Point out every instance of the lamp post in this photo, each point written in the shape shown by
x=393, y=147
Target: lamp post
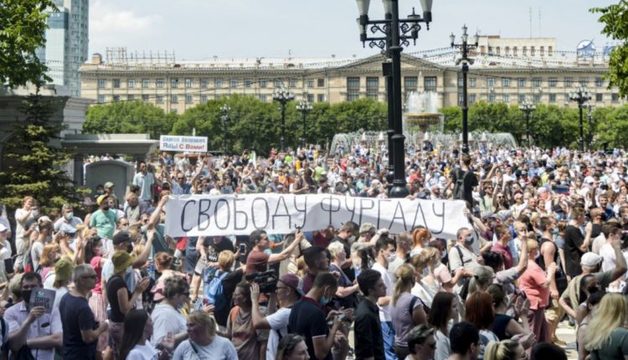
x=527, y=108
x=590, y=118
x=304, y=107
x=283, y=96
x=390, y=35
x=581, y=96
x=224, y=111
x=464, y=47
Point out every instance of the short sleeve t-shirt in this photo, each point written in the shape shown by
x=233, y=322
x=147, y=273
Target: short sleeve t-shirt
x=166, y=320
x=257, y=261
x=76, y=315
x=278, y=326
x=308, y=320
x=219, y=349
x=142, y=352
x=114, y=284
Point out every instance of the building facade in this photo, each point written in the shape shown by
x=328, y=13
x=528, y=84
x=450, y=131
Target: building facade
x=176, y=87
x=67, y=39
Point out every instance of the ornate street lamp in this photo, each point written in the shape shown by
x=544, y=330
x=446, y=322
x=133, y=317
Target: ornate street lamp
x=465, y=47
x=304, y=107
x=283, y=96
x=224, y=111
x=527, y=108
x=581, y=96
x=390, y=35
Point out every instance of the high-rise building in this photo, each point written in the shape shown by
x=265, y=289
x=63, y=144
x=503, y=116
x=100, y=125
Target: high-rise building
x=66, y=46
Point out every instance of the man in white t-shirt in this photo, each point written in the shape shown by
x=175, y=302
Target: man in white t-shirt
x=612, y=232
x=288, y=293
x=385, y=251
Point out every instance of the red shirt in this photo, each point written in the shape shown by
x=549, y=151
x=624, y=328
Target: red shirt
x=257, y=261
x=504, y=251
x=531, y=282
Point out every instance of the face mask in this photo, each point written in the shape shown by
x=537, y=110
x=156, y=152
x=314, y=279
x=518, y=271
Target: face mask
x=468, y=240
x=26, y=295
x=325, y=300
x=391, y=258
x=69, y=216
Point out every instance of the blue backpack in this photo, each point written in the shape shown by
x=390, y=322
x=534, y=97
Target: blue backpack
x=213, y=291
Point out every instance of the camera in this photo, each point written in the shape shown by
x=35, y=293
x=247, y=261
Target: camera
x=266, y=280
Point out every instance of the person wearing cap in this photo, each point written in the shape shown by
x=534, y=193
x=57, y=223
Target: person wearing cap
x=36, y=328
x=104, y=219
x=108, y=187
x=421, y=343
x=287, y=294
x=591, y=263
x=122, y=300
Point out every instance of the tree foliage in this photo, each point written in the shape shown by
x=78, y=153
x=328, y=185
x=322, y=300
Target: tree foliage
x=22, y=32
x=134, y=117
x=615, y=20
x=31, y=165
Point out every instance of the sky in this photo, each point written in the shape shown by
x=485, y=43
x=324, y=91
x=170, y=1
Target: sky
x=202, y=29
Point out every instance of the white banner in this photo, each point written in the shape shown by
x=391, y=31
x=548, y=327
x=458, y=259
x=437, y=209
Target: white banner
x=183, y=143
x=204, y=215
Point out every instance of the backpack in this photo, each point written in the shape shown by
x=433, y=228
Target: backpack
x=213, y=291
x=464, y=282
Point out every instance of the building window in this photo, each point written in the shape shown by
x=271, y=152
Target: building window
x=473, y=82
x=550, y=51
x=159, y=83
x=130, y=83
x=353, y=88
x=536, y=98
x=292, y=83
x=506, y=98
x=532, y=51
x=429, y=84
x=116, y=83
x=174, y=99
x=203, y=99
x=599, y=82
x=490, y=50
x=521, y=82
x=263, y=98
x=320, y=97
x=310, y=98
x=507, y=51
x=130, y=97
x=599, y=97
x=101, y=99
x=583, y=81
x=552, y=82
x=159, y=99
x=498, y=51
x=525, y=51
x=514, y=51
x=278, y=84
x=320, y=83
x=568, y=82
x=145, y=83
x=491, y=98
x=204, y=83
x=536, y=82
x=310, y=83
x=263, y=83
x=218, y=83
x=615, y=97
x=471, y=98
x=542, y=50
x=188, y=99
x=552, y=98
x=188, y=83
x=233, y=84
x=490, y=82
x=116, y=98
x=248, y=83
x=174, y=83
x=372, y=87
x=410, y=83
x=145, y=97
x=102, y=83
x=506, y=82
x=522, y=98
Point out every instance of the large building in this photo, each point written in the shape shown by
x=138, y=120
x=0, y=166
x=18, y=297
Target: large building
x=500, y=73
x=66, y=45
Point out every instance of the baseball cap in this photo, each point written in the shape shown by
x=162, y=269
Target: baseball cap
x=366, y=227
x=3, y=228
x=291, y=280
x=108, y=184
x=590, y=259
x=121, y=237
x=101, y=198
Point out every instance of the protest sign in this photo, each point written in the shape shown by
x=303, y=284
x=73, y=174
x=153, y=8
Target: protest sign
x=183, y=143
x=42, y=297
x=204, y=215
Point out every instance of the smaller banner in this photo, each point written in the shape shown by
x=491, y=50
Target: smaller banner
x=205, y=215
x=183, y=143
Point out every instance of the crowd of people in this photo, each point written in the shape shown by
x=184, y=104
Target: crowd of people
x=548, y=243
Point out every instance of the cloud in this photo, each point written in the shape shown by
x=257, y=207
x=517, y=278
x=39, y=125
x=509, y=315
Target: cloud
x=110, y=21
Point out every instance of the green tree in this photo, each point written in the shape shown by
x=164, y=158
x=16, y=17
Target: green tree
x=615, y=20
x=128, y=117
x=31, y=165
x=22, y=32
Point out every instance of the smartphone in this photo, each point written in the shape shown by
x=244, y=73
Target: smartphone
x=242, y=248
